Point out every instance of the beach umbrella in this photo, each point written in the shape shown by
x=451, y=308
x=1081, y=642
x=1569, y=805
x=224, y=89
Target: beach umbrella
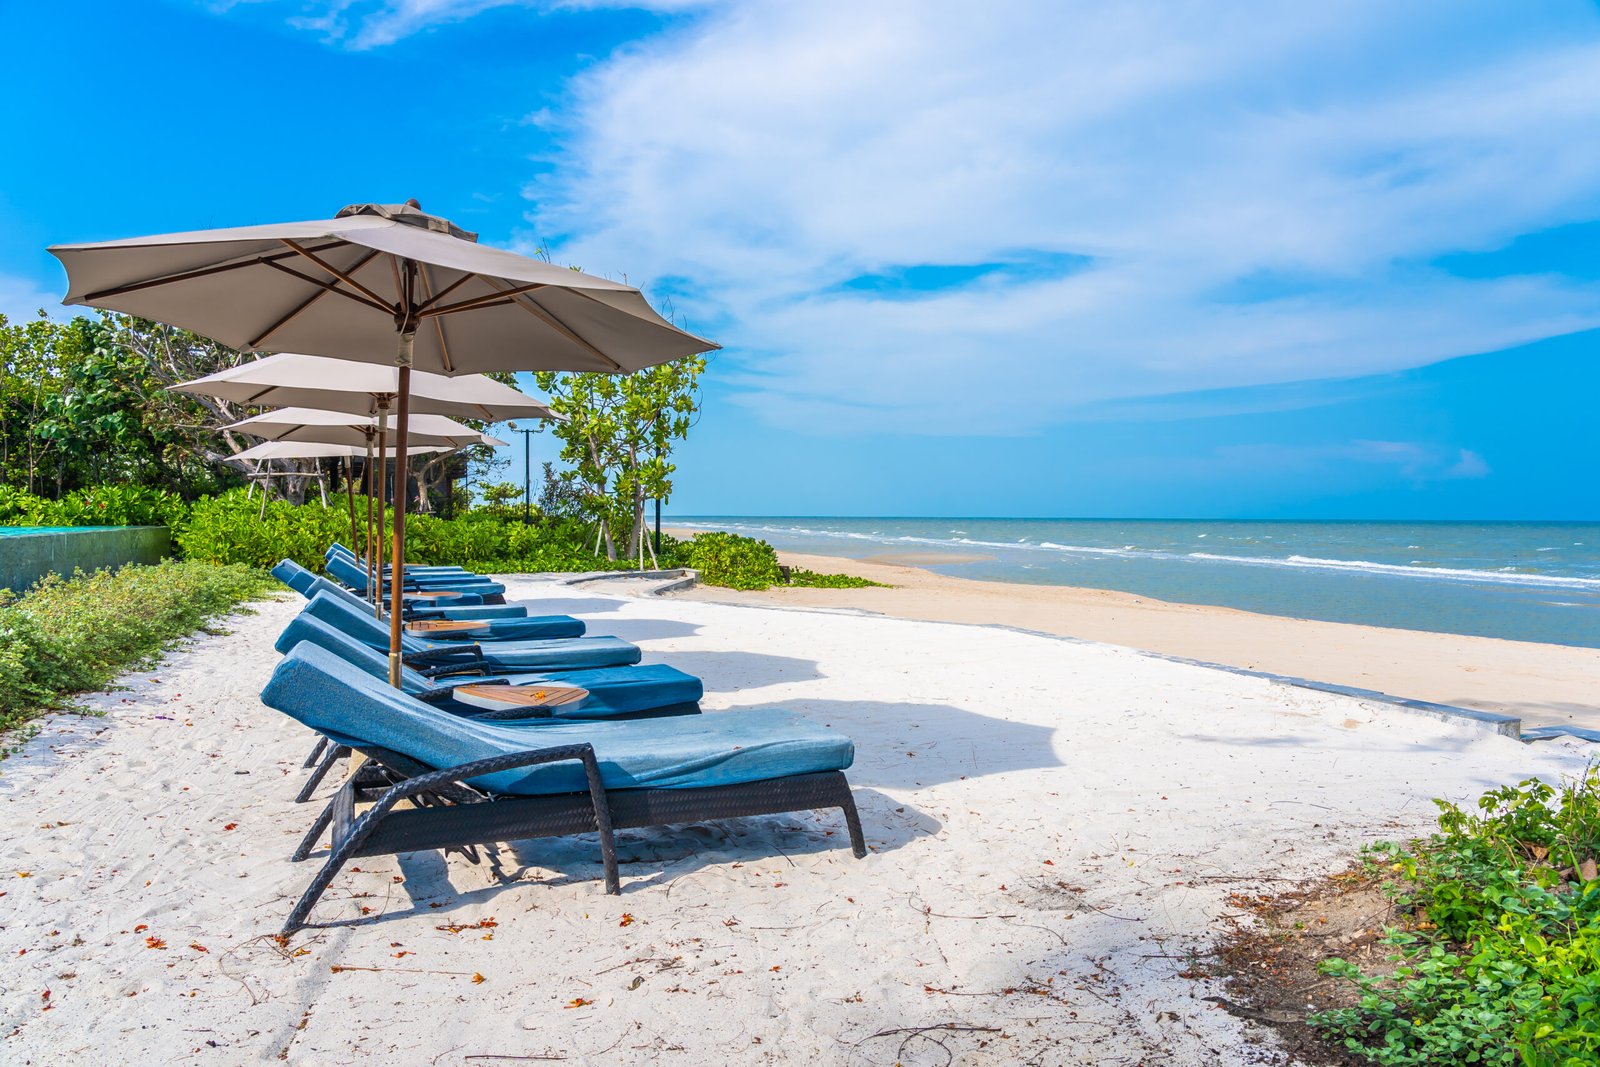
x=290, y=379
x=340, y=428
x=378, y=283
x=358, y=433
x=270, y=450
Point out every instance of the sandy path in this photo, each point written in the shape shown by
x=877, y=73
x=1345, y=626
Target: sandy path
x=1054, y=825
x=1543, y=684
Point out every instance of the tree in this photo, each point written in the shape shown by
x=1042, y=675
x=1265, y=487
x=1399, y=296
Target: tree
x=617, y=435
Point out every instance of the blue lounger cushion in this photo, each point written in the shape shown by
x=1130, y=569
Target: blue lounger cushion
x=423, y=609
x=355, y=576
x=565, y=653
x=499, y=628
x=427, y=568
x=334, y=698
x=613, y=691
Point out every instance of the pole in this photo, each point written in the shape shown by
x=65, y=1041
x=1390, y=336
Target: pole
x=383, y=503
x=398, y=575
x=350, y=495
x=367, y=471
x=527, y=475
x=658, y=531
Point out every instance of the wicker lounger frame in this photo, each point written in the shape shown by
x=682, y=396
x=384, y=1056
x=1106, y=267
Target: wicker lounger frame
x=447, y=813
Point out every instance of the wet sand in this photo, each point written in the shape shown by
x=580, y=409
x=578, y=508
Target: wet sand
x=1547, y=685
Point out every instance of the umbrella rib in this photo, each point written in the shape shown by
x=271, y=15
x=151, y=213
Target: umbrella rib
x=446, y=291
x=533, y=308
x=312, y=299
x=438, y=323
x=332, y=287
x=202, y=272
x=343, y=276
x=497, y=297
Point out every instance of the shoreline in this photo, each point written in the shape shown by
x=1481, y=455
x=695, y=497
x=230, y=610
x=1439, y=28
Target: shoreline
x=1543, y=684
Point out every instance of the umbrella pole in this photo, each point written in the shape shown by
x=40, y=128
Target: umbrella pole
x=396, y=593
x=367, y=553
x=350, y=494
x=383, y=507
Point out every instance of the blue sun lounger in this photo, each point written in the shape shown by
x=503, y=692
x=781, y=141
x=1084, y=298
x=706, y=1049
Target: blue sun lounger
x=308, y=584
x=645, y=690
x=354, y=575
x=614, y=692
x=502, y=657
x=440, y=781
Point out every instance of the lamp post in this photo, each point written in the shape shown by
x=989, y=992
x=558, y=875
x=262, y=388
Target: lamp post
x=527, y=474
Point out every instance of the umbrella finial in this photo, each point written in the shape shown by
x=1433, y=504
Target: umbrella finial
x=414, y=202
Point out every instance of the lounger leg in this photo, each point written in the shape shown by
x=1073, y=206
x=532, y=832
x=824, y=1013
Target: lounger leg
x=313, y=835
x=322, y=742
x=852, y=822
x=602, y=823
x=334, y=755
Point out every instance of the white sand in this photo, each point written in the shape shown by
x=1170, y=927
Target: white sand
x=1055, y=826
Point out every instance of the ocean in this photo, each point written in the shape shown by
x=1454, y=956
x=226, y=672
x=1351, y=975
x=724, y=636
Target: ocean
x=1520, y=581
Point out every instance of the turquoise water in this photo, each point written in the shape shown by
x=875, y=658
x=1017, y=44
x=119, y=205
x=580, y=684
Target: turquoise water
x=1521, y=581
x=15, y=531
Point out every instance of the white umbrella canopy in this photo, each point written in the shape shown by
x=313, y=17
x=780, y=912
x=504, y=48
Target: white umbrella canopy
x=339, y=428
x=378, y=283
x=346, y=287
x=313, y=450
x=293, y=380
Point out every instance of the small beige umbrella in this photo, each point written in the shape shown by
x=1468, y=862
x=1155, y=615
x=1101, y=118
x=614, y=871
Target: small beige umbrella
x=379, y=283
x=334, y=427
x=339, y=428
x=293, y=380
x=339, y=385
x=270, y=450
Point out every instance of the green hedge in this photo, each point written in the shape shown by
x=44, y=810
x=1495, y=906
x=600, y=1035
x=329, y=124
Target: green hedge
x=102, y=505
x=73, y=635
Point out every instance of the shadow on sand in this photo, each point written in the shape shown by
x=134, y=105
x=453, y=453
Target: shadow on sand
x=649, y=857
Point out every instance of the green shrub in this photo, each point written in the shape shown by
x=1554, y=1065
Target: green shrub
x=1502, y=965
x=729, y=560
x=101, y=505
x=801, y=577
x=232, y=529
x=71, y=635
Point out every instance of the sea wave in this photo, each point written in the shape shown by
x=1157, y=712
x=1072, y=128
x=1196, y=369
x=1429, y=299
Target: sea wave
x=1505, y=577
x=1452, y=574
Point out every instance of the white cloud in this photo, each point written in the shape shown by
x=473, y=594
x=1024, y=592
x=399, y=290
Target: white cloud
x=1199, y=153
x=22, y=298
x=363, y=24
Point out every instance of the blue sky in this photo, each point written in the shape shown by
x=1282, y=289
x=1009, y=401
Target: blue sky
x=1255, y=259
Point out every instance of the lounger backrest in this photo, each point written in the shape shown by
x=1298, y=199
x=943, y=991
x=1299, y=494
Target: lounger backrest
x=355, y=623
x=347, y=572
x=294, y=576
x=322, y=585
x=309, y=629
x=336, y=699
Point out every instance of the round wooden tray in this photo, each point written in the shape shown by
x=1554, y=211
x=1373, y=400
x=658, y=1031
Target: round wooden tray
x=495, y=697
x=448, y=626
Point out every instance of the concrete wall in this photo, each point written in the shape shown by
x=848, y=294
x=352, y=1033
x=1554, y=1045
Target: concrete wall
x=27, y=557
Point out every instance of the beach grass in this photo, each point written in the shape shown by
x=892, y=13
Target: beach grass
x=72, y=635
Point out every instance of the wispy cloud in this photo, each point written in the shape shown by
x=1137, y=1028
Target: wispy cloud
x=775, y=152
x=1236, y=195
x=364, y=24
x=22, y=299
